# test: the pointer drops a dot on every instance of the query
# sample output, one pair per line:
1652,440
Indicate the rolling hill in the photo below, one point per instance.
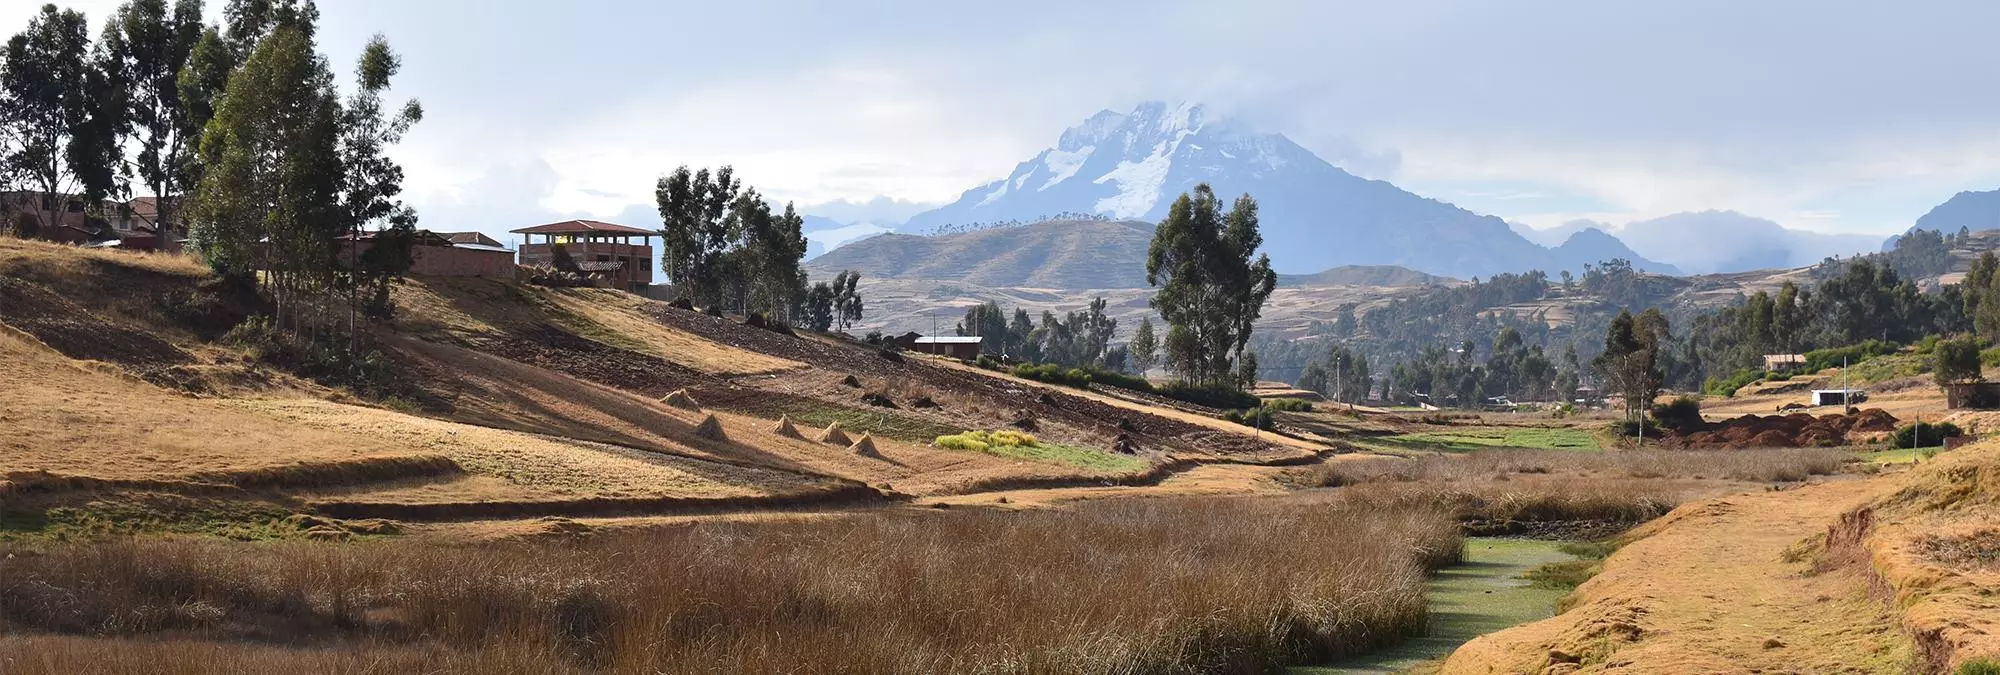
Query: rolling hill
1063,254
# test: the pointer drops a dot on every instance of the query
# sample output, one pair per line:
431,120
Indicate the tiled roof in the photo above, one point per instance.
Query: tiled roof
583,227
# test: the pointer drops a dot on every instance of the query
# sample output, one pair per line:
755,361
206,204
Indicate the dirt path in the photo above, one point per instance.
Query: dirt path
1707,590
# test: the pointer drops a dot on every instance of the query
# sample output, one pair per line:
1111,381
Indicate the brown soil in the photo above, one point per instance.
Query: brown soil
1796,430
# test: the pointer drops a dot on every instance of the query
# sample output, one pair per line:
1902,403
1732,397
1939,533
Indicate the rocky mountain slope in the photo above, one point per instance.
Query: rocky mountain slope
1314,215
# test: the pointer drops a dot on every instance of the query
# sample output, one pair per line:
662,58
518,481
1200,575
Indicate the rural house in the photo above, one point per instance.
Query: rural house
1777,362
440,255
601,249
965,347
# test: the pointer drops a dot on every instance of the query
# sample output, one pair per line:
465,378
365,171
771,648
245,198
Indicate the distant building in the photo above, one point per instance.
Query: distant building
601,249
1838,396
434,254
955,346
1784,361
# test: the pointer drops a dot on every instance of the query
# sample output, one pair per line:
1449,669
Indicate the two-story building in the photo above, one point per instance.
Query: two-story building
603,250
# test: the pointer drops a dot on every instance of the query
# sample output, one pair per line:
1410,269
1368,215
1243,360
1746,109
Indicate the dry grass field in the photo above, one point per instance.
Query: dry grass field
1126,587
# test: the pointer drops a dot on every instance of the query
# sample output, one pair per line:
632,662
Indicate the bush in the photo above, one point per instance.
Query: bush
1928,344
1956,361
1213,397
1682,415
1822,359
1727,386
986,362
1259,417
1926,434
1979,667
1289,404
1120,380
1053,374
1990,358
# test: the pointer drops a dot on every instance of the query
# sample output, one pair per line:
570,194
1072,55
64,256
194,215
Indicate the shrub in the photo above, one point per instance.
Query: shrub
1832,357
1979,667
1727,386
1213,397
980,441
1682,415
1120,380
1928,344
1053,374
1289,404
986,362
1990,358
1259,417
1926,434
1956,361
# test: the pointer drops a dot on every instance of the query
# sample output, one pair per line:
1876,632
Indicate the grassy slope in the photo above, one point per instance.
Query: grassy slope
1709,589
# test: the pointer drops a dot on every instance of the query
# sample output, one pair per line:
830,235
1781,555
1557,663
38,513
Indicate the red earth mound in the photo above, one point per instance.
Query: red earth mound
1796,430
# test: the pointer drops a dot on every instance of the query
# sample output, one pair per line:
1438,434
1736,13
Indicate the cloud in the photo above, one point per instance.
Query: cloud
1615,111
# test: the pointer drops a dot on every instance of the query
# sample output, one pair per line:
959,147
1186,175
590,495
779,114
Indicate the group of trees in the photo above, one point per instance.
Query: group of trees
830,306
1076,339
289,175
241,119
1212,282
1630,362
1342,376
721,244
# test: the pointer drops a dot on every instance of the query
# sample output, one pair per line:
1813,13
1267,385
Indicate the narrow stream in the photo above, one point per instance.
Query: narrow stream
1484,594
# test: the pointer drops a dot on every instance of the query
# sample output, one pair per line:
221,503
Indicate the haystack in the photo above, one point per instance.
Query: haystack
833,434
710,428
681,399
865,447
785,427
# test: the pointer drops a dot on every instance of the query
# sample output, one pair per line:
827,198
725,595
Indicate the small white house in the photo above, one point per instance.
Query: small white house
1838,396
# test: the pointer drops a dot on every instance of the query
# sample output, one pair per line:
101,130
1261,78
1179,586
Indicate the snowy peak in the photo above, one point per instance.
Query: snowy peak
1131,165
1122,165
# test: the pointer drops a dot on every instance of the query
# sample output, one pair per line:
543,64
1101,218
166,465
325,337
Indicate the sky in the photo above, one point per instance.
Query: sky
1826,115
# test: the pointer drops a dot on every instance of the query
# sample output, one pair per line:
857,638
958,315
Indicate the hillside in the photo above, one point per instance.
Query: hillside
1314,216
1066,254
496,400
1384,276
1973,210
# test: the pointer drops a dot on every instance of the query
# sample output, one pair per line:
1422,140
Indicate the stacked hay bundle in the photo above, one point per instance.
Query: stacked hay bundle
710,428
681,399
865,447
785,428
834,435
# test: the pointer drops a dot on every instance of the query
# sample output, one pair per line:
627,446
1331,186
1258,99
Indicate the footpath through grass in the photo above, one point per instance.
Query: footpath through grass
1484,594
1482,438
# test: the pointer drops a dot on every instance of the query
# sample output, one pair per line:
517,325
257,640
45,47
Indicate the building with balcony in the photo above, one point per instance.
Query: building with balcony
601,250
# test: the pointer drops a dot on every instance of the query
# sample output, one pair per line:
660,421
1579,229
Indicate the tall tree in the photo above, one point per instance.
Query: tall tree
48,89
1629,364
988,322
270,198
847,305
1144,347
695,208
373,181
147,47
1211,288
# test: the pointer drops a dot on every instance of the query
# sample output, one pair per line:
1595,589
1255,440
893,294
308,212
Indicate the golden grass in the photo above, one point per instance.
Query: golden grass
620,319
50,255
69,417
469,308
531,466
1135,587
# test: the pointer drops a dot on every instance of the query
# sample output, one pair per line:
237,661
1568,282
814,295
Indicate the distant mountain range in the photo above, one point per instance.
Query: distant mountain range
1314,215
1059,254
1971,210
1709,242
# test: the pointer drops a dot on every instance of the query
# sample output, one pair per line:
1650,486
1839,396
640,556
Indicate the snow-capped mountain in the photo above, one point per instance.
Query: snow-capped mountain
1314,215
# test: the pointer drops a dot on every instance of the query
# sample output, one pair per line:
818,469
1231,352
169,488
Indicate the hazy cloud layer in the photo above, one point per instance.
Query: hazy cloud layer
1832,116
